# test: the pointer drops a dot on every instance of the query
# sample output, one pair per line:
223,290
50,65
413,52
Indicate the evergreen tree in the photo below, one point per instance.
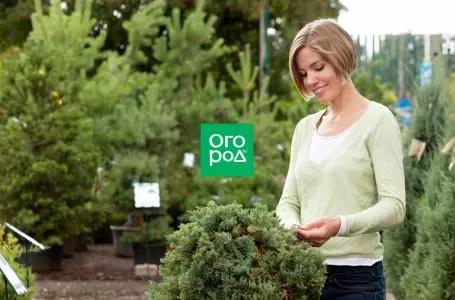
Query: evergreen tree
269,137
48,150
133,122
154,117
428,126
430,271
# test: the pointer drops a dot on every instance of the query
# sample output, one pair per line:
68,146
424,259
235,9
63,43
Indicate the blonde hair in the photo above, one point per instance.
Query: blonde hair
331,42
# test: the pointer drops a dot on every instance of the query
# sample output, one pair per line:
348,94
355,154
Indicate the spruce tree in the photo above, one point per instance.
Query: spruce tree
428,126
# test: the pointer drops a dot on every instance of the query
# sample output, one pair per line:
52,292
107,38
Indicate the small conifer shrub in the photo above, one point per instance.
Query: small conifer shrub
231,252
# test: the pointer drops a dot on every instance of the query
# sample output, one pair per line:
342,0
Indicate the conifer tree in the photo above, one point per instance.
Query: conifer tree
48,152
430,274
154,116
428,126
256,108
132,122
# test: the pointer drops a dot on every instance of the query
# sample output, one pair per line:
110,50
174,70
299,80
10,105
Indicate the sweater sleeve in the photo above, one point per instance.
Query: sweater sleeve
288,208
387,159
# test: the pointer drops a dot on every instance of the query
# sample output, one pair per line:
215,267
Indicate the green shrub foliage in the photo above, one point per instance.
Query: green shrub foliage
231,252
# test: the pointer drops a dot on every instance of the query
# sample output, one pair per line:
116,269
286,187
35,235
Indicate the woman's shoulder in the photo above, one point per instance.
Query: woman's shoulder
379,110
380,119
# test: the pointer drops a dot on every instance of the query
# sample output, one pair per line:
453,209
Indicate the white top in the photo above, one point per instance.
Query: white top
322,147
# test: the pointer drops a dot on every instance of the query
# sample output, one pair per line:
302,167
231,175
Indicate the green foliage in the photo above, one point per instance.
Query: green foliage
158,229
14,22
132,124
228,252
294,108
372,87
432,256
253,107
429,118
11,251
49,154
430,273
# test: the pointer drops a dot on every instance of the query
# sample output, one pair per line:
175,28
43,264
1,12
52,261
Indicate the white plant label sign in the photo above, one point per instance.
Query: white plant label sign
146,195
188,159
12,277
25,236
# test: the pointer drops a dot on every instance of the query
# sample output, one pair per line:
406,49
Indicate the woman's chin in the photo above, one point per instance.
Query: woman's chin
322,99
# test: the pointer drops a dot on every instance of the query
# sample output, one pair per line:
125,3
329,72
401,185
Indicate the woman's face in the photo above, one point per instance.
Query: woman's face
319,77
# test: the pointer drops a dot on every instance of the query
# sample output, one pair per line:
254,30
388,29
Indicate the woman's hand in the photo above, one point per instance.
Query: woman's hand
319,231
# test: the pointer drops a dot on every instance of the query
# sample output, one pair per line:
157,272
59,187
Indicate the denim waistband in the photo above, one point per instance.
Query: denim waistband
376,268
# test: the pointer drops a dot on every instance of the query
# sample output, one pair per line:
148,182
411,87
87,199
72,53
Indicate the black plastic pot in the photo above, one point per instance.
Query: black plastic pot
68,247
182,220
81,243
102,235
149,253
43,261
121,249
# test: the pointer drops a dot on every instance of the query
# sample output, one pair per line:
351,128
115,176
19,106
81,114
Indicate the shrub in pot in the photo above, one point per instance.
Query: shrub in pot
231,252
48,152
131,168
150,244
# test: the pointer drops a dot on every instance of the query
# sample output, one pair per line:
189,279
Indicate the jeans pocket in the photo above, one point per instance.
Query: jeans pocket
355,282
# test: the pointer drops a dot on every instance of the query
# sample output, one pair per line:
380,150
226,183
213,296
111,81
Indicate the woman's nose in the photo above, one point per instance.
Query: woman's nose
311,79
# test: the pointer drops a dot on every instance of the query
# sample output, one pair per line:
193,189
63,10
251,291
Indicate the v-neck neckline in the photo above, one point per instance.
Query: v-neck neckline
341,148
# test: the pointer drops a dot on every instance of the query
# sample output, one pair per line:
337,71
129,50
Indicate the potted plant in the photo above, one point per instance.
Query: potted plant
150,244
231,252
49,153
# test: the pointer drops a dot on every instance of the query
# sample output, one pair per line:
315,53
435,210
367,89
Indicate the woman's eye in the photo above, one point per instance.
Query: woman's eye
303,75
319,68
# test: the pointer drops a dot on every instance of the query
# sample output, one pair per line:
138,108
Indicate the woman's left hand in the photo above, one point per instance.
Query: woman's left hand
319,231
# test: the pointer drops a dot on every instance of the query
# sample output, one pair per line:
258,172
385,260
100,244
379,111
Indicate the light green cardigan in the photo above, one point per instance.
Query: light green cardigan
362,180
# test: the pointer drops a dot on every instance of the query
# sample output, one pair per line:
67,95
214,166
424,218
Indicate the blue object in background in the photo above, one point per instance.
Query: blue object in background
403,109
425,73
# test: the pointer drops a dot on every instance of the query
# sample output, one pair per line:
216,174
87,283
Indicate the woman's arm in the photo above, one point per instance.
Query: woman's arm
288,208
385,148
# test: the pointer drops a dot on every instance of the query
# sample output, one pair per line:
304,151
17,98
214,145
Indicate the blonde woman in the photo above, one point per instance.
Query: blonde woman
345,181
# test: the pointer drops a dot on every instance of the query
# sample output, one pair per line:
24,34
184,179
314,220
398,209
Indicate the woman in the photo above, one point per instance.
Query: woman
345,181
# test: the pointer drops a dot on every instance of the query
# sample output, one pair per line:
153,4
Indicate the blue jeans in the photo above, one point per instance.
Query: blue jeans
355,283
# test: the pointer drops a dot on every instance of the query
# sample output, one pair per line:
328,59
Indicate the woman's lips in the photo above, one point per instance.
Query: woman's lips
319,89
